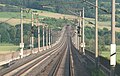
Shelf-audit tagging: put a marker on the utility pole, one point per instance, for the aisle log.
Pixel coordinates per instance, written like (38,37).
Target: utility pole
(38,38)
(83,45)
(32,41)
(76,38)
(38,34)
(113,45)
(96,36)
(43,37)
(80,30)
(21,44)
(49,37)
(0,38)
(46,37)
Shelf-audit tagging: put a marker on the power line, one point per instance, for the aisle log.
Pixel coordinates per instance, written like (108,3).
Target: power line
(103,9)
(77,14)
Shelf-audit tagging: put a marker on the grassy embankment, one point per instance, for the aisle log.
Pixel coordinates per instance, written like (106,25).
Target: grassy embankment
(107,53)
(7,48)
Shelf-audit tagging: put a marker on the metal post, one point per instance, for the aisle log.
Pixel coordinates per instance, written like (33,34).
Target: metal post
(37,24)
(38,38)
(49,37)
(113,45)
(21,44)
(80,31)
(46,37)
(0,39)
(96,36)
(76,38)
(32,41)
(43,38)
(83,45)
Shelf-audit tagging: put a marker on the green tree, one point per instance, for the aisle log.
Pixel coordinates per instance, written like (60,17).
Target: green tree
(12,33)
(5,36)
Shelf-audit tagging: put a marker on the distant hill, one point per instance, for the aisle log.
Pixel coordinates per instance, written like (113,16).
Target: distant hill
(58,6)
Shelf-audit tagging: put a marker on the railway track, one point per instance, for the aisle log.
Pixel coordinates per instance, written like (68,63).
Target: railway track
(55,64)
(61,57)
(64,64)
(58,67)
(24,69)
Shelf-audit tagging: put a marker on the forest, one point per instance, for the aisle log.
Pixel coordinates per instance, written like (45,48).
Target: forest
(60,5)
(11,34)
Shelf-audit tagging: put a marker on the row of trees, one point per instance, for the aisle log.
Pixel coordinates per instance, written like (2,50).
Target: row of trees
(24,3)
(104,38)
(62,7)
(58,5)
(11,34)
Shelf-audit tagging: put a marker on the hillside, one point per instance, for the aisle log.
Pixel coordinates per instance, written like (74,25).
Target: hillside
(104,19)
(60,7)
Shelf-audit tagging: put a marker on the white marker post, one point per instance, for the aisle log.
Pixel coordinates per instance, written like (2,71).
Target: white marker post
(113,45)
(113,55)
(113,59)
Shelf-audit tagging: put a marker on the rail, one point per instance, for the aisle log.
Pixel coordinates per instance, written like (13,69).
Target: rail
(24,67)
(7,58)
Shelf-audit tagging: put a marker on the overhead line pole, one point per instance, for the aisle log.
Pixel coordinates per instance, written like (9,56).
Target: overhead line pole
(46,37)
(76,38)
(22,43)
(96,36)
(49,37)
(32,38)
(80,30)
(38,34)
(113,45)
(38,38)
(83,26)
(43,37)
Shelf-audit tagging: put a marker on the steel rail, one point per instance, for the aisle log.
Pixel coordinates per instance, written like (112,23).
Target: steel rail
(32,63)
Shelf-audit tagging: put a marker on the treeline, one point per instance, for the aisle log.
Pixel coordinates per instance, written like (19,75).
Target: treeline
(104,38)
(62,7)
(23,3)
(34,4)
(11,34)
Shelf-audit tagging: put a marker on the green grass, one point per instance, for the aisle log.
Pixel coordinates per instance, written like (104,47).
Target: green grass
(6,48)
(96,72)
(15,15)
(107,53)
(9,14)
(106,23)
